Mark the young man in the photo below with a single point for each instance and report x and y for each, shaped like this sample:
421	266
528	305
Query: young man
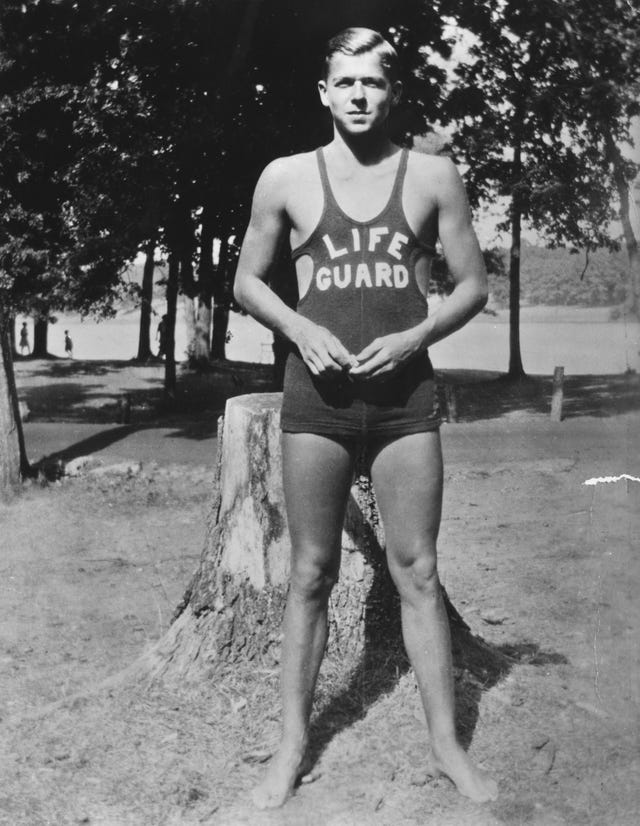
362	217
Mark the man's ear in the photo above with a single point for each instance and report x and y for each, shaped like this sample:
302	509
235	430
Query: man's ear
397	91
322	89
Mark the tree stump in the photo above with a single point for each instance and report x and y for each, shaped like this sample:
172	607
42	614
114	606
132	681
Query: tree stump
232	609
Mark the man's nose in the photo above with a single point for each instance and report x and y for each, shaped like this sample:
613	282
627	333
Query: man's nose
358	90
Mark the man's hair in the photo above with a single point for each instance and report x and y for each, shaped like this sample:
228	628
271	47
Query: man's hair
357	41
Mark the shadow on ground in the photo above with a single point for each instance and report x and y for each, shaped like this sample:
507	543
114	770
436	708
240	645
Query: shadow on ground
477	665
92	391
97	392
484	395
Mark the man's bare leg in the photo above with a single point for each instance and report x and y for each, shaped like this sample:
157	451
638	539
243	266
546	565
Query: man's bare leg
407	478
317	474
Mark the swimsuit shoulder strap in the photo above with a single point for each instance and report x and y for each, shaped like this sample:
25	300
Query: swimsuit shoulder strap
324	178
396	192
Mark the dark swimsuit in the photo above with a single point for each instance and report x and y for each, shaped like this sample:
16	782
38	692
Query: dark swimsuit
363	286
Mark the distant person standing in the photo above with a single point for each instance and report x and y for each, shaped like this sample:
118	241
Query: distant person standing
24	340
161	336
68	345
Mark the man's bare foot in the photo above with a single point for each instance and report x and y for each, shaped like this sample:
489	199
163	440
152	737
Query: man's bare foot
470	780
285	768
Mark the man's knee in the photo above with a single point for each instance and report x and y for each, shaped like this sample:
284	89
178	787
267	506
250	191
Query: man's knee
312	580
416	573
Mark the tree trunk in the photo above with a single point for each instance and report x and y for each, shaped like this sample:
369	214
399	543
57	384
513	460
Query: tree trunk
614	157
172	304
40	338
13	336
220	329
146	300
202	336
232	609
630	239
516	369
189	304
206	277
221	302
13	459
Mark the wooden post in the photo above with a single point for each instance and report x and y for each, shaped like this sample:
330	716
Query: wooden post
557	394
451	400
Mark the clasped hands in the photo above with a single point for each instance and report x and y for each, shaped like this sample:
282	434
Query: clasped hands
326	356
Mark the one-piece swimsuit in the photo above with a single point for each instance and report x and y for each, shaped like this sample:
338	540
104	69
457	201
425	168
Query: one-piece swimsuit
363	286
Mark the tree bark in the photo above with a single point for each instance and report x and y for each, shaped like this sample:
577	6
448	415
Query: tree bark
190	312
202	333
221	302
172	304
630	240
516	369
206	277
13	459
146	300
40	338
232	609
220	329
13	336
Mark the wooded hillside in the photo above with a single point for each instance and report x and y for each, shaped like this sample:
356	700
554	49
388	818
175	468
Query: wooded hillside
557	277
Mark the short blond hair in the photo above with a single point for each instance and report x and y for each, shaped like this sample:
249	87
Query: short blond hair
358	40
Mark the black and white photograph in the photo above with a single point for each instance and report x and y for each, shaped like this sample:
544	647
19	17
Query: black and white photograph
319	413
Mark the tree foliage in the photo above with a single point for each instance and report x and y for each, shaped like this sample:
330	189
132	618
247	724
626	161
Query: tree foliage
148	121
527	128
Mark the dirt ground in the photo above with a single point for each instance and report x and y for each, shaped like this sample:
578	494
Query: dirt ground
540	564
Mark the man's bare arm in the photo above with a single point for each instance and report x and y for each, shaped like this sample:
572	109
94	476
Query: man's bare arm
463	256
466	265
321	350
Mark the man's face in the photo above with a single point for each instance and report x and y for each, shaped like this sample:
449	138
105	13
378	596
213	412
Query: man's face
358	92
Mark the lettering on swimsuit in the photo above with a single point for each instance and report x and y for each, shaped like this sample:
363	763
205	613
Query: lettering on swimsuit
383	275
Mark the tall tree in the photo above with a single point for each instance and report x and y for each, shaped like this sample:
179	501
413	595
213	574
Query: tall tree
13	458
146	301
524	132
604	41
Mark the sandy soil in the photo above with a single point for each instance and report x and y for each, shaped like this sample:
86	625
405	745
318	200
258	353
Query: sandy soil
539	564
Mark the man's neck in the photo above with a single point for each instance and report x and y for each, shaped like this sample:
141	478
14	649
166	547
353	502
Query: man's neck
361	150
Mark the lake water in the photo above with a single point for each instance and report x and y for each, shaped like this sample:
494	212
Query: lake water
581	340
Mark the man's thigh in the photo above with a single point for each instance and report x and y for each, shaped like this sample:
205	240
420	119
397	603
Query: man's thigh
317	478
407	479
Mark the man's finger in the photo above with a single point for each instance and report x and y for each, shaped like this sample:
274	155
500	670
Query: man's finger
329	362
369	351
369	366
339	353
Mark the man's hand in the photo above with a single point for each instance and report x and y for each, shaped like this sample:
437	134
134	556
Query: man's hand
385	355
321	351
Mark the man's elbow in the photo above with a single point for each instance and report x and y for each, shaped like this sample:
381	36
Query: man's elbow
482	296
239	293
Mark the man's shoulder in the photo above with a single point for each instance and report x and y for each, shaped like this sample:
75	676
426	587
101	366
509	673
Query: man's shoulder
434	168
436	175
289	168
283	179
